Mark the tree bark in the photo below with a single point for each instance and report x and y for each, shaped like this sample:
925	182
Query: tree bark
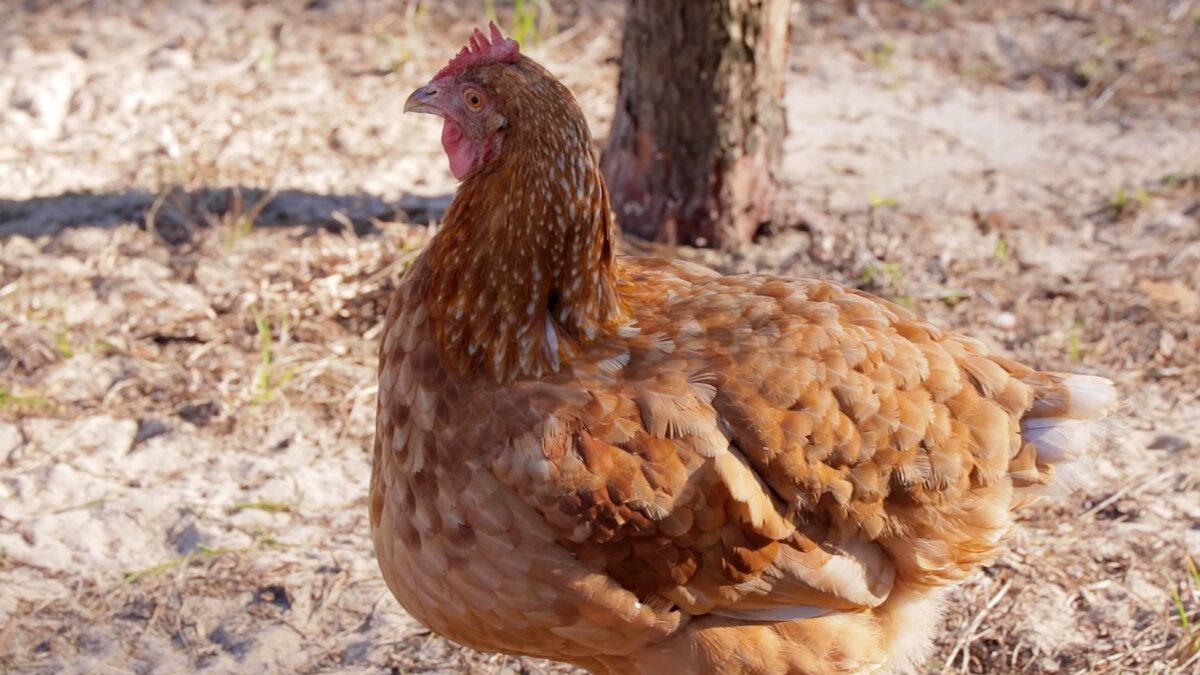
698	131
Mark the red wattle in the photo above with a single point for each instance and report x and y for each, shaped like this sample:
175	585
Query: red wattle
458	149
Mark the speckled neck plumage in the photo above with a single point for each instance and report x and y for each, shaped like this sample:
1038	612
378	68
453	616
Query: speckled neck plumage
523	270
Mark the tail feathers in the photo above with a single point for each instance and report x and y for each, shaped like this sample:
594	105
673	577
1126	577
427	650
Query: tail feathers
1058	440
1079	397
1071	419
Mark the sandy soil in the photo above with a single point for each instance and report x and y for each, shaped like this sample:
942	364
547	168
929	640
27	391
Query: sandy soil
204	205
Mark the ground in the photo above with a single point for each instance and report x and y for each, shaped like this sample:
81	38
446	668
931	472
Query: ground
204	204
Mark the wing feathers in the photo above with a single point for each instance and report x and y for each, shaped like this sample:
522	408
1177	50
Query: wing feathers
781	453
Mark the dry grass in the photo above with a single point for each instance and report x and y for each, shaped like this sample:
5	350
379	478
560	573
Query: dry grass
204	207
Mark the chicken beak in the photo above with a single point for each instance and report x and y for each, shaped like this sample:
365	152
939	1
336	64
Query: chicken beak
422	101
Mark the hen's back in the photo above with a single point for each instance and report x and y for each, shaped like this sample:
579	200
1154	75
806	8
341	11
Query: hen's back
794	463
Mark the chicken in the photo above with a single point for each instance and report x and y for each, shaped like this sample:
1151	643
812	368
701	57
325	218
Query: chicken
643	466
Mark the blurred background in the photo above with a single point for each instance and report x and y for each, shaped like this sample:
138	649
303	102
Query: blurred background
204	205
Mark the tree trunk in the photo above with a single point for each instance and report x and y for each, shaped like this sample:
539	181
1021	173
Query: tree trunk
699	126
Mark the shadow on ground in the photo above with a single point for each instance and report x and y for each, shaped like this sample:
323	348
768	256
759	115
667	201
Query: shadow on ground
174	215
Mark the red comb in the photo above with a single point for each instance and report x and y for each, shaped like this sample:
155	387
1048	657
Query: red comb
482	51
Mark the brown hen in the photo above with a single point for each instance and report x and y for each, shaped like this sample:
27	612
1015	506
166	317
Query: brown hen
642	466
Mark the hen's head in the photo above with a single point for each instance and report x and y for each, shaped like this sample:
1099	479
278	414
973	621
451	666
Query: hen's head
486	95
523	268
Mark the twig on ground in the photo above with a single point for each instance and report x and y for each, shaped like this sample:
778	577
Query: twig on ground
968	635
1131	490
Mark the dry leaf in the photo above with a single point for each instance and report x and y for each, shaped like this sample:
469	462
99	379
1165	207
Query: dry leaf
1170	292
6	634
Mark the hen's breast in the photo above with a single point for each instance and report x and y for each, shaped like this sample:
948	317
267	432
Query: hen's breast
462	552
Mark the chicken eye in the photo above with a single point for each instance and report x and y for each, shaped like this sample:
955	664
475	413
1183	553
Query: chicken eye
473	99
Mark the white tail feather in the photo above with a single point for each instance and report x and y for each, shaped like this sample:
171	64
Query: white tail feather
1066	427
1089	398
1061	440
1070	477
